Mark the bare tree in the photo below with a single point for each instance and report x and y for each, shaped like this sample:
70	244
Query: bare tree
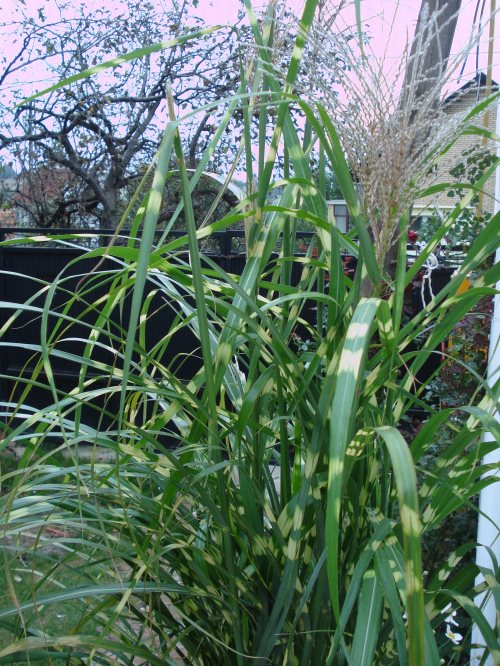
81	148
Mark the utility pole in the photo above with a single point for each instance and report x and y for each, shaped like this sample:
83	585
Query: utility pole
438	38
428	59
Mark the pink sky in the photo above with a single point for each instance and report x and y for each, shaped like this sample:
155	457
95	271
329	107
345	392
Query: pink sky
379	15
391	24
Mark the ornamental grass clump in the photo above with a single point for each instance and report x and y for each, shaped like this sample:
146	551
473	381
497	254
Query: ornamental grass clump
262	507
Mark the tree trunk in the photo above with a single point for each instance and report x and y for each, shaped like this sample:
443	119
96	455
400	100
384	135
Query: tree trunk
109	218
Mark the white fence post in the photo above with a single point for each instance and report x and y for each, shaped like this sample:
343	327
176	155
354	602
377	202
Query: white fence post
488	534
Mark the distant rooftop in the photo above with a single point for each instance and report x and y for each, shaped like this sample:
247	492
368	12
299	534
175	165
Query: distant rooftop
478	83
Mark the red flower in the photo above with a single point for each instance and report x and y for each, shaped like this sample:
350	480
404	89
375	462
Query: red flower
412	236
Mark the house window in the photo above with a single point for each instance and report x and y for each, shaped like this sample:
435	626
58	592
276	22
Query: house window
338	210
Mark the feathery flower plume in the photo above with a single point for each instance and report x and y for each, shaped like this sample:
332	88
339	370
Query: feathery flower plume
390	130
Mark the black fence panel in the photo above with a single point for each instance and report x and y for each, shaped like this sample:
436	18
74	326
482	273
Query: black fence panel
27	275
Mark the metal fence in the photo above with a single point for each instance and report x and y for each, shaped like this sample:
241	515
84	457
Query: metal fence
228	243
26	268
